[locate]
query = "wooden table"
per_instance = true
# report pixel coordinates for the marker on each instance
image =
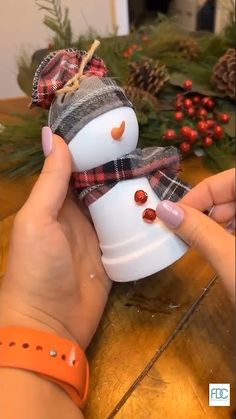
(162, 340)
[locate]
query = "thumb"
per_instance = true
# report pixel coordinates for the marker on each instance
(50, 190)
(204, 234)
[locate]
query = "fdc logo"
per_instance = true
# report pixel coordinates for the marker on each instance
(219, 394)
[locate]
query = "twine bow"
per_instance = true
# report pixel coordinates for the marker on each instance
(74, 83)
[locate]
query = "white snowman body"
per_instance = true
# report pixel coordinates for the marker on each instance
(131, 248)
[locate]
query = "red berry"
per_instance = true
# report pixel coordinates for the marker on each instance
(193, 136)
(202, 126)
(179, 96)
(179, 102)
(202, 113)
(210, 104)
(224, 118)
(205, 100)
(130, 51)
(145, 38)
(210, 123)
(185, 147)
(196, 99)
(191, 111)
(185, 131)
(218, 132)
(188, 103)
(170, 134)
(188, 84)
(179, 115)
(207, 141)
(178, 105)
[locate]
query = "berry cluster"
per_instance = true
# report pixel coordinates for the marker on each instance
(131, 50)
(135, 47)
(202, 125)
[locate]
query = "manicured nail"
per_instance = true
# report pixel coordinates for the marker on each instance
(46, 140)
(231, 226)
(170, 213)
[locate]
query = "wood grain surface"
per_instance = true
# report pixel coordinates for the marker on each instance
(9, 108)
(201, 353)
(162, 339)
(5, 233)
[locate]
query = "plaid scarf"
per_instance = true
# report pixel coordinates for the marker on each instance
(160, 165)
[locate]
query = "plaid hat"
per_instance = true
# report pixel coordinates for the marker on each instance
(71, 111)
(95, 96)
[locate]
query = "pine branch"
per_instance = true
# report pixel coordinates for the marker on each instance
(20, 142)
(57, 20)
(221, 157)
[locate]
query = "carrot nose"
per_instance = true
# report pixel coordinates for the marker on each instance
(117, 133)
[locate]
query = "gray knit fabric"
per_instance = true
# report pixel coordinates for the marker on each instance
(70, 112)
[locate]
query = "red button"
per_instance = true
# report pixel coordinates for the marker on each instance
(140, 197)
(149, 215)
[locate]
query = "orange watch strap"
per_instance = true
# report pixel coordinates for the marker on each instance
(57, 359)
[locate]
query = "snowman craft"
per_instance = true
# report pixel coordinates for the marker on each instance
(120, 184)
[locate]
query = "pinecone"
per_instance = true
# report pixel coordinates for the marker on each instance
(188, 48)
(139, 98)
(224, 73)
(148, 75)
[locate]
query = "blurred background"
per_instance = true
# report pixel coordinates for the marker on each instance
(175, 59)
(22, 28)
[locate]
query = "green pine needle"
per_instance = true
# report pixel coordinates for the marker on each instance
(58, 21)
(21, 144)
(221, 156)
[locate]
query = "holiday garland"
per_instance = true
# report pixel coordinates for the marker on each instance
(154, 65)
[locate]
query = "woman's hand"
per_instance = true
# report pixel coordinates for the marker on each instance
(186, 218)
(55, 279)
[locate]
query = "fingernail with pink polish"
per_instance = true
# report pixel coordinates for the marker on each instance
(47, 140)
(170, 213)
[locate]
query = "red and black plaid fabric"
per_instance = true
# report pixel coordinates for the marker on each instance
(57, 69)
(160, 165)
